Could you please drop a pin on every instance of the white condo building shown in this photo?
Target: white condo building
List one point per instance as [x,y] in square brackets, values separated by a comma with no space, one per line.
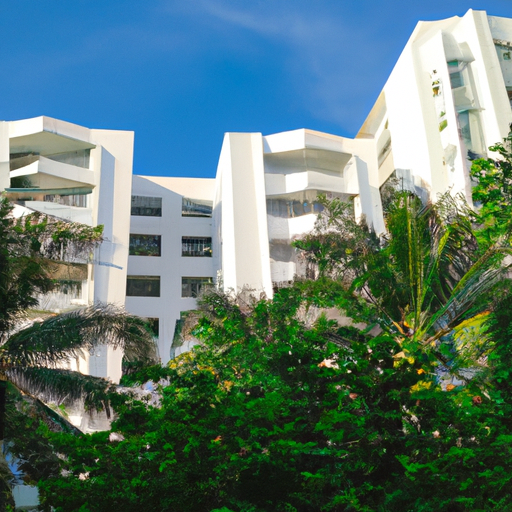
[166,238]
[79,175]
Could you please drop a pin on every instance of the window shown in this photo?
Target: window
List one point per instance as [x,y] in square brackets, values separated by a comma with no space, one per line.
[456,70]
[143,286]
[292,208]
[196,246]
[456,80]
[192,286]
[384,152]
[78,158]
[196,207]
[78,200]
[145,245]
[147,206]
[470,131]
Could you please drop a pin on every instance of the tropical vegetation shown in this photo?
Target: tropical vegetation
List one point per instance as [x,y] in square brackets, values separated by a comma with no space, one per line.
[35,353]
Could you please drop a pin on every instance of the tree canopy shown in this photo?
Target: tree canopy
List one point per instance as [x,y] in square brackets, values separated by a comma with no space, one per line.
[283,408]
[492,192]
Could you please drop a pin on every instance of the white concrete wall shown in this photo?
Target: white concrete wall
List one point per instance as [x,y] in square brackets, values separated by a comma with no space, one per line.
[240,174]
[171,266]
[411,112]
[4,156]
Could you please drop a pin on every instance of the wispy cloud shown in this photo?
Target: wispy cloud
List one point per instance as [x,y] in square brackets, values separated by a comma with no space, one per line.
[332,60]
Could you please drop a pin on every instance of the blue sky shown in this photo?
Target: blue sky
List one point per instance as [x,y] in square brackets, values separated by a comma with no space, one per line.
[182,73]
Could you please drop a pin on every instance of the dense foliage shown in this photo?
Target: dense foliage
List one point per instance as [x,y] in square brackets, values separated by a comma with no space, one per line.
[492,192]
[273,414]
[283,409]
[31,248]
[267,415]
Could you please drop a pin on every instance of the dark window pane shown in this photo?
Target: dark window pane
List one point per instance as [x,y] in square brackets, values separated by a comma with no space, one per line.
[147,206]
[456,80]
[196,207]
[196,246]
[145,245]
[143,286]
[192,286]
[456,69]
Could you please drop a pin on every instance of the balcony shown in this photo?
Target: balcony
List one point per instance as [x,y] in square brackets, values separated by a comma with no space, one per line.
[43,172]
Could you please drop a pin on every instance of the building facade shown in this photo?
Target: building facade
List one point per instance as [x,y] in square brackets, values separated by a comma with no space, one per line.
[81,175]
[449,93]
[448,97]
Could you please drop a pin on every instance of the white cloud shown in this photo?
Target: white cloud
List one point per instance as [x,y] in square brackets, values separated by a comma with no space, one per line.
[331,59]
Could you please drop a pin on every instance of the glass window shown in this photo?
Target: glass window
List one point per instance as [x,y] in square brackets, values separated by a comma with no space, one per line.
[143,286]
[288,209]
[470,131]
[196,246]
[196,207]
[145,245]
[78,200]
[456,79]
[192,286]
[384,152]
[456,70]
[78,158]
[147,206]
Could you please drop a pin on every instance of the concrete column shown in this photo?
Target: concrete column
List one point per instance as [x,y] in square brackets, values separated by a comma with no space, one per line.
[4,156]
[245,251]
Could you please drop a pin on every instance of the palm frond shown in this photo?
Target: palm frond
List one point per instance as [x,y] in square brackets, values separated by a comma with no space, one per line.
[64,337]
[62,386]
[463,302]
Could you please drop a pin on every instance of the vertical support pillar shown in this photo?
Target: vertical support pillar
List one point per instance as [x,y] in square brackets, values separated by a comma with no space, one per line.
[245,251]
[5,180]
[369,196]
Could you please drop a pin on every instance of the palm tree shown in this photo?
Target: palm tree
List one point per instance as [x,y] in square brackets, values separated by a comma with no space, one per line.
[34,358]
[425,280]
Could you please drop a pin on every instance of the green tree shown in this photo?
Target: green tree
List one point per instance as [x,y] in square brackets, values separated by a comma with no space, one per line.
[492,192]
[275,411]
[439,285]
[33,357]
[422,281]
[268,414]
